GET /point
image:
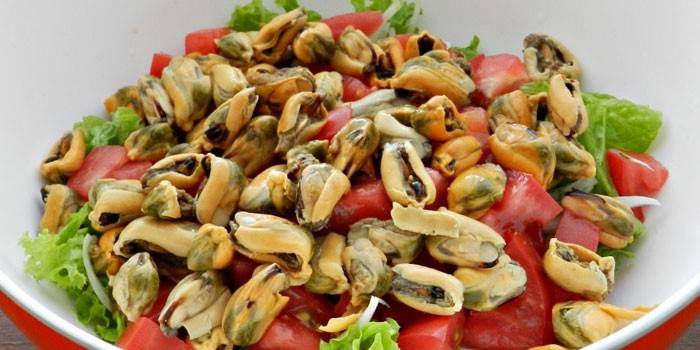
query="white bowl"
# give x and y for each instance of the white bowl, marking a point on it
(60, 59)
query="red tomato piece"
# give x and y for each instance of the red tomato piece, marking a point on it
(202, 41)
(636, 174)
(130, 171)
(477, 120)
(337, 119)
(441, 184)
(303, 301)
(366, 200)
(498, 74)
(240, 270)
(98, 163)
(145, 334)
(403, 38)
(573, 229)
(523, 322)
(368, 22)
(524, 203)
(400, 312)
(342, 304)
(287, 332)
(434, 333)
(639, 213)
(159, 61)
(354, 89)
(163, 291)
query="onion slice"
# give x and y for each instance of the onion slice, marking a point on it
(638, 201)
(92, 277)
(367, 314)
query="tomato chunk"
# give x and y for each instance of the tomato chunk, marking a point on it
(400, 312)
(477, 120)
(98, 163)
(368, 22)
(354, 89)
(163, 291)
(366, 200)
(241, 270)
(337, 119)
(342, 304)
(130, 171)
(434, 333)
(202, 41)
(523, 322)
(159, 61)
(287, 332)
(145, 334)
(301, 301)
(525, 203)
(441, 183)
(573, 229)
(636, 174)
(498, 74)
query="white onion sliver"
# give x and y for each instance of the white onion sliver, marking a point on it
(638, 201)
(367, 314)
(92, 277)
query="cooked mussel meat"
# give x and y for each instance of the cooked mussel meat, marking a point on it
(114, 203)
(320, 188)
(237, 47)
(404, 176)
(135, 287)
(457, 155)
(226, 81)
(545, 56)
(566, 108)
(302, 118)
(59, 203)
(254, 147)
(330, 86)
(65, 157)
(369, 274)
(392, 130)
(475, 190)
(615, 219)
(274, 38)
(315, 44)
(218, 195)
(438, 119)
(422, 43)
(427, 289)
(355, 53)
(189, 90)
(327, 276)
(155, 101)
(517, 147)
(167, 202)
(211, 249)
(581, 323)
(354, 145)
(487, 289)
(127, 97)
(399, 246)
(184, 171)
(276, 86)
(579, 270)
(151, 142)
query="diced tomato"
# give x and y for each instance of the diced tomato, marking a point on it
(302, 301)
(316, 68)
(240, 270)
(202, 41)
(403, 38)
(398, 311)
(425, 259)
(354, 89)
(434, 333)
(98, 163)
(368, 22)
(159, 61)
(342, 304)
(163, 291)
(130, 171)
(365, 200)
(636, 174)
(498, 74)
(560, 295)
(145, 334)
(287, 332)
(337, 119)
(523, 322)
(524, 203)
(441, 184)
(477, 120)
(573, 229)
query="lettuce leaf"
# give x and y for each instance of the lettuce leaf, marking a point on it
(402, 21)
(250, 17)
(288, 5)
(594, 140)
(57, 258)
(470, 51)
(101, 132)
(535, 87)
(374, 5)
(372, 336)
(626, 253)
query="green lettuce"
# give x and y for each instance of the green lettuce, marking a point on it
(250, 17)
(101, 132)
(371, 336)
(374, 5)
(594, 140)
(57, 258)
(403, 20)
(470, 51)
(535, 87)
(625, 253)
(288, 5)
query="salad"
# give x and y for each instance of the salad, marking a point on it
(349, 182)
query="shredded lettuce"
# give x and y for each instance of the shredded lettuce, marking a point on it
(403, 20)
(595, 142)
(101, 132)
(374, 5)
(470, 51)
(371, 336)
(535, 87)
(623, 254)
(58, 258)
(252, 16)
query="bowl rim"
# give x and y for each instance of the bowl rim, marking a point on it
(659, 315)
